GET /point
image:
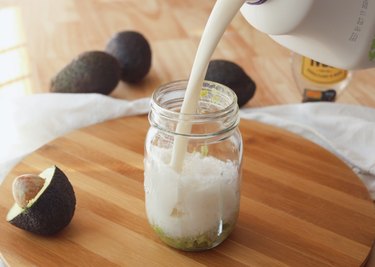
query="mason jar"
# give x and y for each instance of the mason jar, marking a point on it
(194, 207)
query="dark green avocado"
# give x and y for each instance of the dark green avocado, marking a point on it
(51, 210)
(89, 72)
(232, 75)
(133, 52)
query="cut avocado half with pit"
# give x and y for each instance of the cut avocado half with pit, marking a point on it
(50, 210)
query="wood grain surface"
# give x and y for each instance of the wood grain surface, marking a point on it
(300, 205)
(39, 37)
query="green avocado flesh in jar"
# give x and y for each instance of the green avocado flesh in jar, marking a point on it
(203, 241)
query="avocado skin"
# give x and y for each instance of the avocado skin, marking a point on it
(133, 52)
(52, 211)
(89, 72)
(233, 76)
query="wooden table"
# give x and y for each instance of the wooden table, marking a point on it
(39, 37)
(300, 205)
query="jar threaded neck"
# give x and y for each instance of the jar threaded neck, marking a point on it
(217, 111)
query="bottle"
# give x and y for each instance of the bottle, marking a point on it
(318, 81)
(338, 33)
(196, 208)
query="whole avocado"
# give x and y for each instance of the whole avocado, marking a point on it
(232, 75)
(133, 52)
(89, 72)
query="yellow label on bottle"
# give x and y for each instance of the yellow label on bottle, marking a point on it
(321, 73)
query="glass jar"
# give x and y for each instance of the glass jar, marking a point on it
(194, 208)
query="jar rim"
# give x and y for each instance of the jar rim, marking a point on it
(181, 85)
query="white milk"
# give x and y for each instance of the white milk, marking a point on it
(221, 15)
(197, 200)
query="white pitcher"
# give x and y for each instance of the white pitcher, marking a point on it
(339, 33)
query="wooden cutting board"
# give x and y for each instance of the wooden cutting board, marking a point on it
(300, 205)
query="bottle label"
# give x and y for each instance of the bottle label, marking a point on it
(310, 95)
(320, 73)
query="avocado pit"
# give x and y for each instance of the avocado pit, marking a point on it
(25, 188)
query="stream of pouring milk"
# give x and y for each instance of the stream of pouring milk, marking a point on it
(221, 15)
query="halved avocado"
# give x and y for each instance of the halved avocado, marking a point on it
(50, 210)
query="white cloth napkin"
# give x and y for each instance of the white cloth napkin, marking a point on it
(28, 122)
(348, 131)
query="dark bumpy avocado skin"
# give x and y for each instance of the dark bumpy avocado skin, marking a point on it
(133, 52)
(53, 210)
(230, 74)
(90, 72)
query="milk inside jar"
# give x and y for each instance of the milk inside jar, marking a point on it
(196, 207)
